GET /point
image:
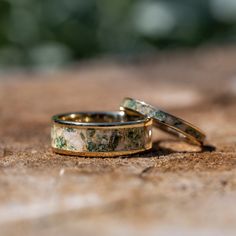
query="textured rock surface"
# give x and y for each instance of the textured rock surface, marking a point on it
(170, 190)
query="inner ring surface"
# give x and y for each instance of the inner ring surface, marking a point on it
(99, 118)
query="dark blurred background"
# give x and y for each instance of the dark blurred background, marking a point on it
(42, 34)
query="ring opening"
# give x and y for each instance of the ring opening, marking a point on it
(99, 118)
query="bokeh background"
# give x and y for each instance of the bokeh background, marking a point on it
(178, 55)
(46, 34)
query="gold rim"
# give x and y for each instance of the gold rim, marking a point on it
(100, 154)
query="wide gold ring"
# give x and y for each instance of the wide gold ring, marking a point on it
(164, 120)
(100, 133)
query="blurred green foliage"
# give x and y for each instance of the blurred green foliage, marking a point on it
(50, 33)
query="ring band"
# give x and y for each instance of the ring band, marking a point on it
(100, 133)
(165, 121)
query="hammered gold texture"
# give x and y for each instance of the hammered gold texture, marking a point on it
(169, 190)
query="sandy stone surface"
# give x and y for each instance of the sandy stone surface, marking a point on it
(174, 189)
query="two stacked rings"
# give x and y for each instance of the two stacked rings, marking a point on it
(123, 132)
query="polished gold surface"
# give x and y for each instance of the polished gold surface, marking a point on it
(98, 127)
(99, 118)
(101, 154)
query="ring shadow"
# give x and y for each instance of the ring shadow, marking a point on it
(158, 150)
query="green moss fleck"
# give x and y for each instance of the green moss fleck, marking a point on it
(60, 142)
(160, 116)
(82, 136)
(70, 129)
(91, 146)
(114, 140)
(90, 132)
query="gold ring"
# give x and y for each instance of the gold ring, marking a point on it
(100, 133)
(165, 121)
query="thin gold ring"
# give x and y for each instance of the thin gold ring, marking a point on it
(165, 121)
(100, 133)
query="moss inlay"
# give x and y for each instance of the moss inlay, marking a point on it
(60, 142)
(165, 118)
(100, 140)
